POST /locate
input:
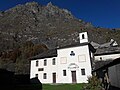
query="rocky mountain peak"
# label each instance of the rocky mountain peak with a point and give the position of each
(54, 10)
(45, 24)
(50, 4)
(32, 4)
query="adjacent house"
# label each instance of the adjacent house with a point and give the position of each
(109, 72)
(107, 51)
(107, 64)
(69, 64)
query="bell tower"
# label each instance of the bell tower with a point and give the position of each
(83, 37)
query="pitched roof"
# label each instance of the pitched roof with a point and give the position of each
(95, 45)
(53, 52)
(109, 44)
(79, 44)
(105, 45)
(105, 64)
(46, 54)
(73, 45)
(100, 64)
(106, 48)
(109, 50)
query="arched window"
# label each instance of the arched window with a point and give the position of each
(83, 36)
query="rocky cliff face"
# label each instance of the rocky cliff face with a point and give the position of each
(49, 25)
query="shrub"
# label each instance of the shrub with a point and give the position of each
(93, 84)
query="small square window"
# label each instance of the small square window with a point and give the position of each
(36, 75)
(101, 58)
(45, 76)
(40, 69)
(64, 73)
(83, 71)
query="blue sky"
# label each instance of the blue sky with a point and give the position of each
(102, 13)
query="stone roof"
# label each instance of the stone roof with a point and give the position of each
(101, 65)
(95, 45)
(73, 45)
(112, 43)
(105, 45)
(46, 54)
(53, 52)
(108, 50)
(78, 44)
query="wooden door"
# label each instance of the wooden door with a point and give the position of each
(54, 77)
(73, 76)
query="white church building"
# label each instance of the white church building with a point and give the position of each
(69, 64)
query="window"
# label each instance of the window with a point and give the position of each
(45, 62)
(83, 71)
(72, 53)
(40, 69)
(36, 75)
(36, 63)
(45, 76)
(83, 36)
(53, 61)
(64, 72)
(101, 58)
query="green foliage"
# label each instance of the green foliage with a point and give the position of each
(93, 84)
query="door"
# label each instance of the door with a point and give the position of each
(54, 77)
(73, 76)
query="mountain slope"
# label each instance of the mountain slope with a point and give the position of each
(48, 25)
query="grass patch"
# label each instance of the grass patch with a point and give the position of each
(63, 87)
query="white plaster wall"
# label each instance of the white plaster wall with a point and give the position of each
(114, 75)
(107, 57)
(49, 69)
(83, 50)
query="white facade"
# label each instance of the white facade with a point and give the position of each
(71, 65)
(107, 57)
